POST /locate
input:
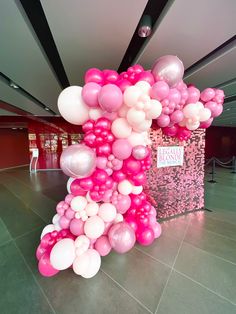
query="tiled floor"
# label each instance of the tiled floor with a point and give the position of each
(191, 268)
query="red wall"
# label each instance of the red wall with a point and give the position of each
(220, 142)
(14, 147)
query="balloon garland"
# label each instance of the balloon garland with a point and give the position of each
(106, 207)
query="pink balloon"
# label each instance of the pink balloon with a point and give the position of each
(90, 94)
(122, 237)
(110, 76)
(215, 108)
(123, 203)
(139, 179)
(193, 95)
(206, 124)
(64, 222)
(156, 229)
(123, 84)
(103, 245)
(170, 130)
(132, 222)
(118, 176)
(131, 166)
(76, 189)
(86, 183)
(70, 213)
(94, 75)
(40, 252)
(100, 176)
(145, 236)
(103, 123)
(168, 68)
(77, 227)
(121, 149)
(104, 150)
(69, 198)
(145, 76)
(101, 162)
(136, 68)
(174, 95)
(183, 134)
(110, 98)
(140, 152)
(45, 267)
(207, 94)
(160, 90)
(177, 116)
(78, 161)
(163, 120)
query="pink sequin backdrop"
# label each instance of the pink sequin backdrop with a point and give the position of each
(176, 190)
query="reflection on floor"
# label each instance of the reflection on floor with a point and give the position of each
(190, 269)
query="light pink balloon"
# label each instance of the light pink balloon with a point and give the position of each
(110, 98)
(177, 116)
(216, 109)
(159, 90)
(193, 95)
(78, 161)
(123, 203)
(122, 237)
(101, 162)
(206, 124)
(140, 152)
(207, 94)
(121, 149)
(163, 120)
(77, 227)
(103, 245)
(174, 96)
(64, 222)
(157, 230)
(168, 68)
(90, 94)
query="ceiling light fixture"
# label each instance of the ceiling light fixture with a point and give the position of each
(13, 85)
(145, 26)
(46, 108)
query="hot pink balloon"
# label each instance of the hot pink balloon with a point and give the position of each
(121, 149)
(123, 84)
(94, 75)
(75, 188)
(45, 267)
(163, 120)
(78, 161)
(168, 68)
(110, 76)
(103, 245)
(170, 130)
(145, 236)
(132, 222)
(110, 98)
(159, 90)
(156, 229)
(122, 237)
(90, 94)
(118, 176)
(145, 76)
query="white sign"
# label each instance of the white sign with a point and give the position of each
(170, 156)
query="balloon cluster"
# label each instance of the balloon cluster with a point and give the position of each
(106, 207)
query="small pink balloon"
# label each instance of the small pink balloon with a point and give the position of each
(145, 236)
(174, 95)
(177, 116)
(86, 183)
(94, 75)
(123, 84)
(193, 95)
(90, 94)
(170, 130)
(45, 267)
(40, 252)
(215, 108)
(206, 124)
(145, 76)
(157, 230)
(75, 188)
(207, 94)
(70, 213)
(160, 90)
(110, 76)
(163, 120)
(101, 162)
(69, 198)
(122, 237)
(168, 68)
(77, 227)
(110, 98)
(140, 152)
(123, 203)
(103, 245)
(121, 149)
(118, 176)
(64, 222)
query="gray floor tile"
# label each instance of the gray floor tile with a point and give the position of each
(183, 296)
(213, 272)
(212, 243)
(142, 276)
(4, 234)
(175, 227)
(19, 291)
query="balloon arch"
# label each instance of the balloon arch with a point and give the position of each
(106, 207)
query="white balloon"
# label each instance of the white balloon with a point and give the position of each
(204, 114)
(55, 219)
(63, 254)
(78, 203)
(137, 189)
(144, 86)
(107, 212)
(70, 180)
(131, 95)
(95, 113)
(143, 126)
(134, 117)
(57, 226)
(88, 264)
(192, 125)
(94, 227)
(92, 209)
(120, 128)
(119, 218)
(155, 110)
(191, 111)
(136, 139)
(47, 229)
(71, 105)
(82, 244)
(125, 187)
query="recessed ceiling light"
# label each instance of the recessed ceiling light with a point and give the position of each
(13, 85)
(145, 26)
(14, 128)
(46, 108)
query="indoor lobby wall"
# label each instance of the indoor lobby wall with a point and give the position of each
(14, 148)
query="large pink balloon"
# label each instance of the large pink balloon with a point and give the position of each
(78, 161)
(122, 237)
(110, 98)
(168, 68)
(145, 236)
(121, 149)
(159, 90)
(90, 94)
(163, 120)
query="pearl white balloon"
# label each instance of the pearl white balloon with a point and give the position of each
(92, 209)
(88, 264)
(131, 95)
(192, 125)
(144, 86)
(95, 113)
(137, 189)
(47, 229)
(78, 203)
(55, 219)
(119, 218)
(134, 117)
(82, 244)
(155, 110)
(204, 114)
(125, 187)
(70, 180)
(94, 227)
(143, 126)
(120, 128)
(107, 212)
(63, 254)
(137, 139)
(71, 105)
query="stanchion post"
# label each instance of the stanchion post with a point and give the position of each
(213, 172)
(213, 166)
(234, 165)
